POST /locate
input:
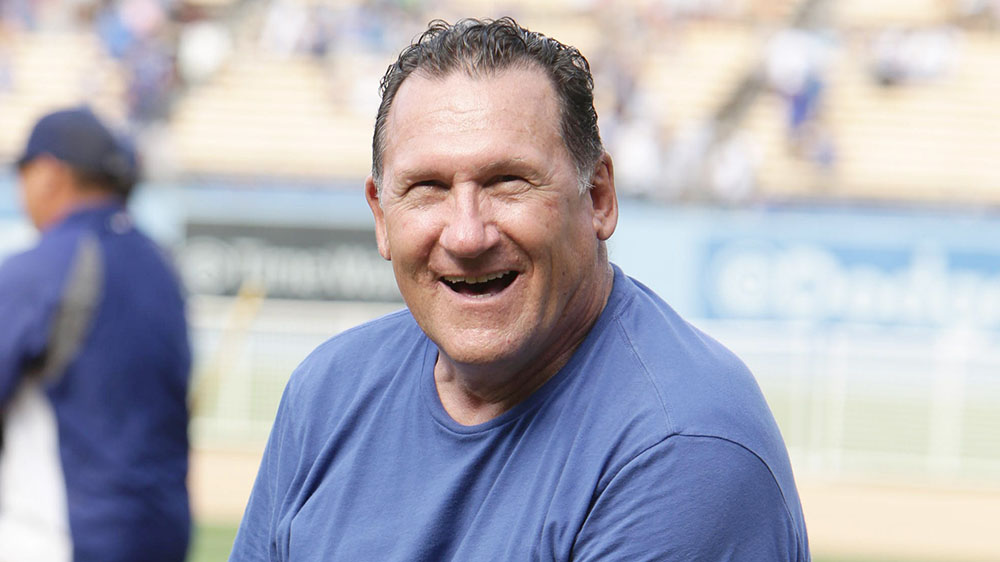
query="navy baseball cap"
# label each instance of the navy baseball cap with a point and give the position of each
(77, 137)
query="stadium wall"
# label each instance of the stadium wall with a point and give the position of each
(873, 333)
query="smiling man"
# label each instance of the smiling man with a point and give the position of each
(533, 402)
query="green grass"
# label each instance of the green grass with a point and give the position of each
(212, 543)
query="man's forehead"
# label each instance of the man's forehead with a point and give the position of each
(515, 97)
(513, 111)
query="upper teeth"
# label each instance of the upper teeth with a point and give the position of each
(482, 279)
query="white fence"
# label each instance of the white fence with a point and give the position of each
(853, 401)
(879, 402)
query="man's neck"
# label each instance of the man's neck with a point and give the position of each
(474, 394)
(80, 201)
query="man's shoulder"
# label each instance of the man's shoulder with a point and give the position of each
(373, 336)
(364, 353)
(668, 347)
(701, 386)
(38, 269)
(687, 386)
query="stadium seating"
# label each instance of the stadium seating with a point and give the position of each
(271, 117)
(303, 117)
(925, 142)
(53, 69)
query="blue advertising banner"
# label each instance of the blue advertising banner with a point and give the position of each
(917, 267)
(825, 265)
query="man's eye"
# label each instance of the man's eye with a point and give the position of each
(428, 183)
(507, 179)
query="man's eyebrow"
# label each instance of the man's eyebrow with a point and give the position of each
(415, 174)
(519, 165)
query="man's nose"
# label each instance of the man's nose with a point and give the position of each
(468, 230)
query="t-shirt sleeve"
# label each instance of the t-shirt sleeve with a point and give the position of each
(691, 498)
(24, 315)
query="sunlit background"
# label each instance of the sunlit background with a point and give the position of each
(814, 182)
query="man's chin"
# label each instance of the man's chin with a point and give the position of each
(476, 357)
(481, 353)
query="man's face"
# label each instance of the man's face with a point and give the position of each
(37, 178)
(494, 249)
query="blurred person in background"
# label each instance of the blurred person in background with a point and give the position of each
(533, 402)
(94, 363)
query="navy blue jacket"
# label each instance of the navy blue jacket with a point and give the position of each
(94, 370)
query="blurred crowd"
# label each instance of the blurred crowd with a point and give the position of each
(166, 47)
(141, 36)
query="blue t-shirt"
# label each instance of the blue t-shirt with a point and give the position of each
(94, 452)
(652, 443)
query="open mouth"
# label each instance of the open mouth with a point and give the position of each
(483, 286)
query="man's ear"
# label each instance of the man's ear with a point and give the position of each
(604, 198)
(381, 236)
